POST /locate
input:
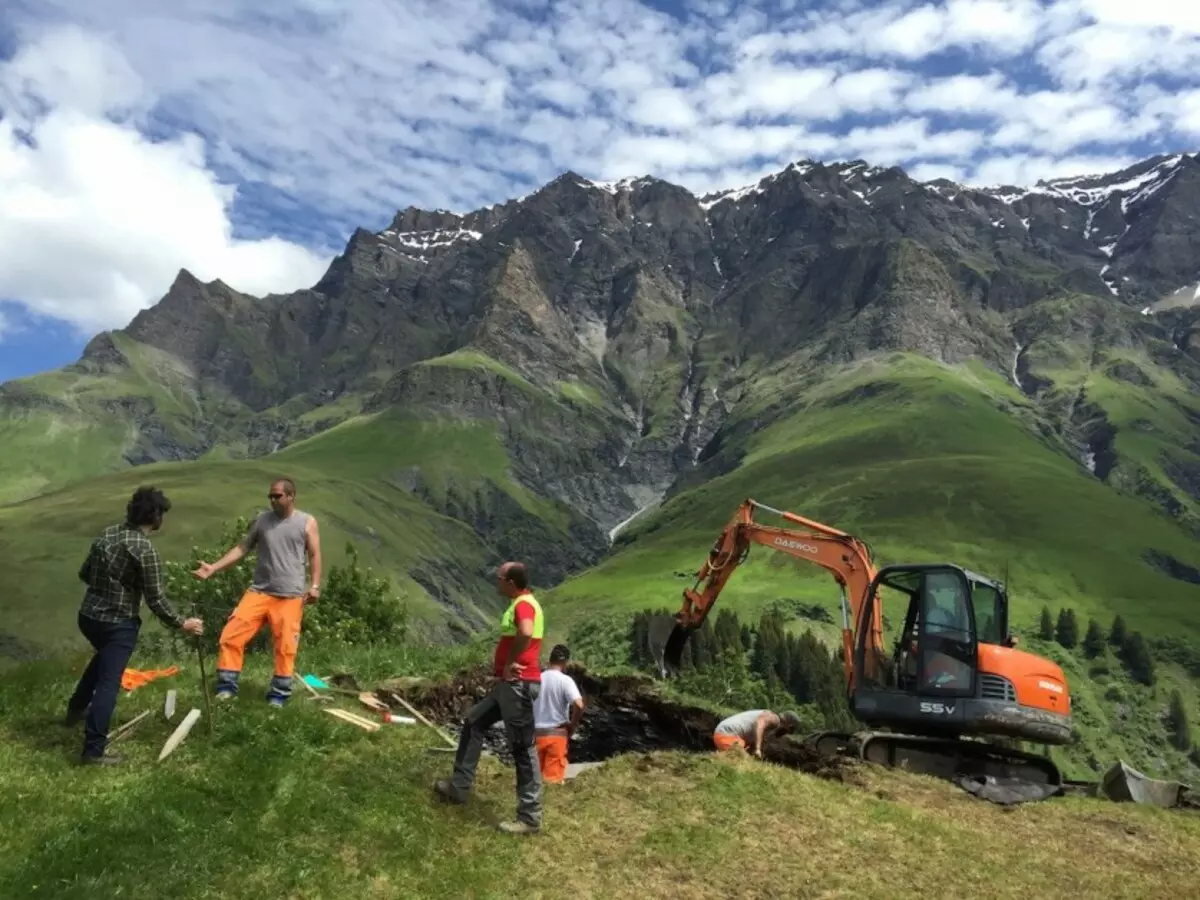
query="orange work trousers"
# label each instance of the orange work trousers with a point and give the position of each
(284, 615)
(728, 741)
(552, 754)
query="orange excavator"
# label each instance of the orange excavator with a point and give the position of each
(953, 678)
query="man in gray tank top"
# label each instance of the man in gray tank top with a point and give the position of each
(283, 537)
(748, 729)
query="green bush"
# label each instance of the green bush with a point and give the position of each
(357, 608)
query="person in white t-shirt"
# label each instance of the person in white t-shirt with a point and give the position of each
(556, 714)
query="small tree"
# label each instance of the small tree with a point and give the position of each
(1136, 656)
(213, 599)
(1177, 723)
(1067, 630)
(357, 607)
(1093, 641)
(1118, 633)
(1046, 626)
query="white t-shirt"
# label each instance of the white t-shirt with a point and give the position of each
(553, 705)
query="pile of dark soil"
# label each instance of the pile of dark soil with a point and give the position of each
(622, 715)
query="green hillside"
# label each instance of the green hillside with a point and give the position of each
(295, 803)
(348, 477)
(924, 462)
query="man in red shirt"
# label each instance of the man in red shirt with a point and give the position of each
(518, 682)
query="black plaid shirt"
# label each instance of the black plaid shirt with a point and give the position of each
(121, 568)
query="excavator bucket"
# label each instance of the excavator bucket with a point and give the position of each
(673, 651)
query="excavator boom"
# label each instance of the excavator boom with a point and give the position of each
(844, 556)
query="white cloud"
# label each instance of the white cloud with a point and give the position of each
(353, 110)
(1027, 169)
(97, 219)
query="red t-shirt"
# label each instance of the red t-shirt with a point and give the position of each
(527, 657)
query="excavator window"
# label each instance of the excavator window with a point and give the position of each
(990, 613)
(946, 638)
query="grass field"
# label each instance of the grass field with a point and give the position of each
(295, 804)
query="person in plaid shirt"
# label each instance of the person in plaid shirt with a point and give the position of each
(121, 568)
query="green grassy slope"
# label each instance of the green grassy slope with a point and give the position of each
(295, 803)
(1092, 356)
(72, 424)
(347, 476)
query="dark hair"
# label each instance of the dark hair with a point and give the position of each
(289, 486)
(146, 507)
(560, 653)
(518, 575)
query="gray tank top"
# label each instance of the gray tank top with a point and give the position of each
(280, 571)
(740, 724)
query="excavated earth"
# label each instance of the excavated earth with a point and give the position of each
(622, 715)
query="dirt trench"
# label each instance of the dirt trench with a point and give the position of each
(622, 715)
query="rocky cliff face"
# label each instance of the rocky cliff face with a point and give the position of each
(612, 329)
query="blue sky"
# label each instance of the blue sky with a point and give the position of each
(137, 138)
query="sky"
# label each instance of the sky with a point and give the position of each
(245, 141)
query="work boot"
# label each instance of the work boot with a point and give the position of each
(108, 759)
(75, 716)
(445, 790)
(518, 828)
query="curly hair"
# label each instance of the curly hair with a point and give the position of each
(146, 507)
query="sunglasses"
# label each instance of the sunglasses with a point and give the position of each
(274, 496)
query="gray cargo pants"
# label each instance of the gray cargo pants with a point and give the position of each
(512, 702)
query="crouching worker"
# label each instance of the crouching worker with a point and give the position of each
(556, 714)
(283, 535)
(748, 729)
(121, 568)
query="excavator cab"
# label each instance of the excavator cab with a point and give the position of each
(934, 663)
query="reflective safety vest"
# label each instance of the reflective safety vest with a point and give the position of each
(508, 622)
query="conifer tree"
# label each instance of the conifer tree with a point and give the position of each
(1118, 633)
(1094, 641)
(1177, 723)
(1046, 626)
(1067, 630)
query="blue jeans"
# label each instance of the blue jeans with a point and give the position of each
(101, 680)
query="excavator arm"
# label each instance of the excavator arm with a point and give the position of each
(844, 556)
